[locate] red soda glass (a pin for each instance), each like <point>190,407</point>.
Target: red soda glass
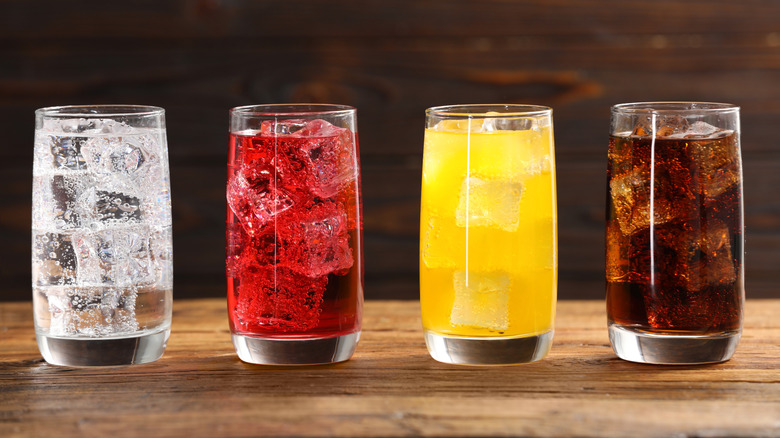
<point>294,234</point>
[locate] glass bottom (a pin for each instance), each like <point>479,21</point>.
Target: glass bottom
<point>318,351</point>
<point>91,352</point>
<point>488,351</point>
<point>640,346</point>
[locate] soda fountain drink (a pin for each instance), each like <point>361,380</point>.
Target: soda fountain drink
<point>294,261</point>
<point>488,260</point>
<point>101,235</point>
<point>674,233</point>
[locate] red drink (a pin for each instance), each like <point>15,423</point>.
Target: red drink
<point>682,271</point>
<point>294,253</point>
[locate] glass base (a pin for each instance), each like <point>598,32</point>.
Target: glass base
<point>91,352</point>
<point>265,351</point>
<point>488,351</point>
<point>640,346</point>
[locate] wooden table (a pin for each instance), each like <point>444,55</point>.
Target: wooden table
<point>391,387</point>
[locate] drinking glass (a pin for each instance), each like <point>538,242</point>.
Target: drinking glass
<point>102,269</point>
<point>488,245</point>
<point>674,244</point>
<point>294,234</point>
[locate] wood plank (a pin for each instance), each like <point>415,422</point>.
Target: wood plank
<point>391,387</point>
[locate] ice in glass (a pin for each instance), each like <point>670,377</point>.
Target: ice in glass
<point>488,260</point>
<point>674,251</point>
<point>102,263</point>
<point>294,261</point>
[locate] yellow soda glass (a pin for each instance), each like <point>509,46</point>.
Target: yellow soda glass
<point>488,242</point>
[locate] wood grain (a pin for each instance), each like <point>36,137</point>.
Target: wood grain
<point>391,387</point>
<point>198,58</point>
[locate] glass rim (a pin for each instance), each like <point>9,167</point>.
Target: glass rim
<point>100,111</point>
<point>293,109</point>
<point>489,111</point>
<point>672,107</point>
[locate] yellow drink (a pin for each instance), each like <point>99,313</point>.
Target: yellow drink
<point>488,246</point>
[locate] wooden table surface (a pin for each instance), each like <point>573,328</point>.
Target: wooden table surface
<point>391,387</point>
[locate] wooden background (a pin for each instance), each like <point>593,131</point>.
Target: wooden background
<point>390,59</point>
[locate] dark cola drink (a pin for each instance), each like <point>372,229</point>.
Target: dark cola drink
<point>674,244</point>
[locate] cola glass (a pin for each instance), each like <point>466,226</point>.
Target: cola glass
<point>102,268</point>
<point>674,233</point>
<point>294,234</point>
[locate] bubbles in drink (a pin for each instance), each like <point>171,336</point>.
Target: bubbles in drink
<point>101,225</point>
<point>293,221</point>
<point>674,227</point>
<point>54,259</point>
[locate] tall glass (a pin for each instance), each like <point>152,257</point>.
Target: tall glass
<point>488,245</point>
<point>294,234</point>
<point>102,267</point>
<point>675,282</point>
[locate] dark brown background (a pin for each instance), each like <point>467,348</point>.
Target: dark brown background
<point>390,59</point>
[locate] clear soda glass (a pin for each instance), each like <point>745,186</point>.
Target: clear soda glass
<point>102,266</point>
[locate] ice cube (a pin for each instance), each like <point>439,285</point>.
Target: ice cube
<point>317,243</point>
<point>282,127</point>
<point>481,300</point>
<point>489,203</point>
<point>136,154</point>
<point>671,125</point>
<point>671,200</point>
<point>91,311</point>
<point>141,268</point>
<point>255,195</point>
<point>57,205</point>
<point>54,259</point>
<point>631,200</point>
<point>99,258</point>
<point>120,257</point>
<point>129,156</point>
<point>461,125</point>
<point>97,151</point>
<point>279,298</point>
<point>330,155</point>
<point>717,164</point>
<point>661,126</point>
<point>700,129</point>
<point>699,259</point>
<point>506,123</point>
<point>66,152</point>
<point>700,275</point>
<point>113,207</point>
<point>110,126</point>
